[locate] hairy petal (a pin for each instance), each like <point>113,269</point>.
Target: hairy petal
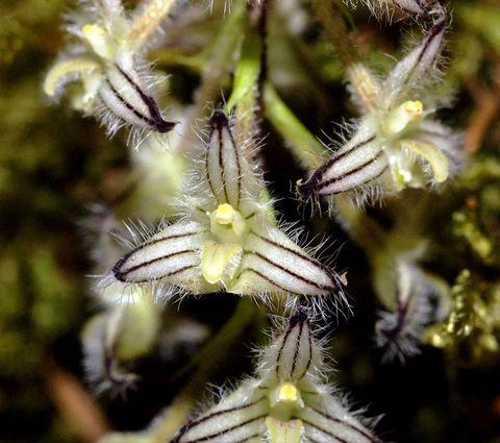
<point>360,161</point>
<point>123,94</point>
<point>275,264</point>
<point>172,255</point>
<point>416,67</point>
<point>239,417</point>
<point>332,423</point>
<point>294,353</point>
<point>224,160</point>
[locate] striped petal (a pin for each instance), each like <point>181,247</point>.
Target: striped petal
<point>172,255</point>
<point>416,66</point>
<point>124,95</point>
<point>294,353</point>
<point>330,422</point>
<point>272,263</point>
<point>238,418</point>
<point>359,162</point>
<point>224,162</point>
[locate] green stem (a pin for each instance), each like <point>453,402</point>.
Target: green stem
<point>305,147</point>
<point>226,43</point>
<point>244,94</point>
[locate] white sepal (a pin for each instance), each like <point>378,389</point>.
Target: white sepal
<point>172,255</point>
<point>238,417</point>
<point>416,68</point>
<point>273,263</point>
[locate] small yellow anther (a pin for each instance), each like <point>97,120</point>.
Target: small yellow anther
<point>225,214</point>
<point>407,113</point>
<point>288,392</point>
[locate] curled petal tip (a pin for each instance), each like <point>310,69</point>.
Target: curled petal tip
<point>163,126</point>
<point>298,318</point>
<point>218,119</point>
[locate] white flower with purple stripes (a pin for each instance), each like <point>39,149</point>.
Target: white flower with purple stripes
<point>113,82</point>
<point>287,402</point>
<point>396,144</point>
<point>227,237</point>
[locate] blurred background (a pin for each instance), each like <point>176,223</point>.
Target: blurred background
<point>55,165</point>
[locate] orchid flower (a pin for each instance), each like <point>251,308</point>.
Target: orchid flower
<point>287,401</point>
<point>114,83</point>
<point>397,144</point>
<point>227,238</point>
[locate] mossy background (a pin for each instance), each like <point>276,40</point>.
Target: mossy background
<point>54,165</point>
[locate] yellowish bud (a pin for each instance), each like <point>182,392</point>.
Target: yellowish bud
<point>288,392</point>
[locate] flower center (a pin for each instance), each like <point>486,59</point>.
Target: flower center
<point>221,256</point>
<point>285,400</point>
<point>404,115</point>
<point>227,224</point>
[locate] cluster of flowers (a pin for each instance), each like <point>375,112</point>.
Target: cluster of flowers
<point>226,236</point>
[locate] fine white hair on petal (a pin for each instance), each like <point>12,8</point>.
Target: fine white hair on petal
<point>223,162</point>
<point>103,371</point>
<point>238,417</point>
<point>328,420</point>
<point>172,254</point>
<point>123,93</point>
<point>358,162</point>
<point>294,353</point>
<point>117,87</point>
<point>416,68</point>
<point>275,263</point>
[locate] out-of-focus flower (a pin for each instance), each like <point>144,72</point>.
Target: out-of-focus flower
<point>227,237</point>
<point>287,402</point>
<point>118,336</point>
<point>420,300</point>
<point>114,82</point>
<point>396,143</point>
